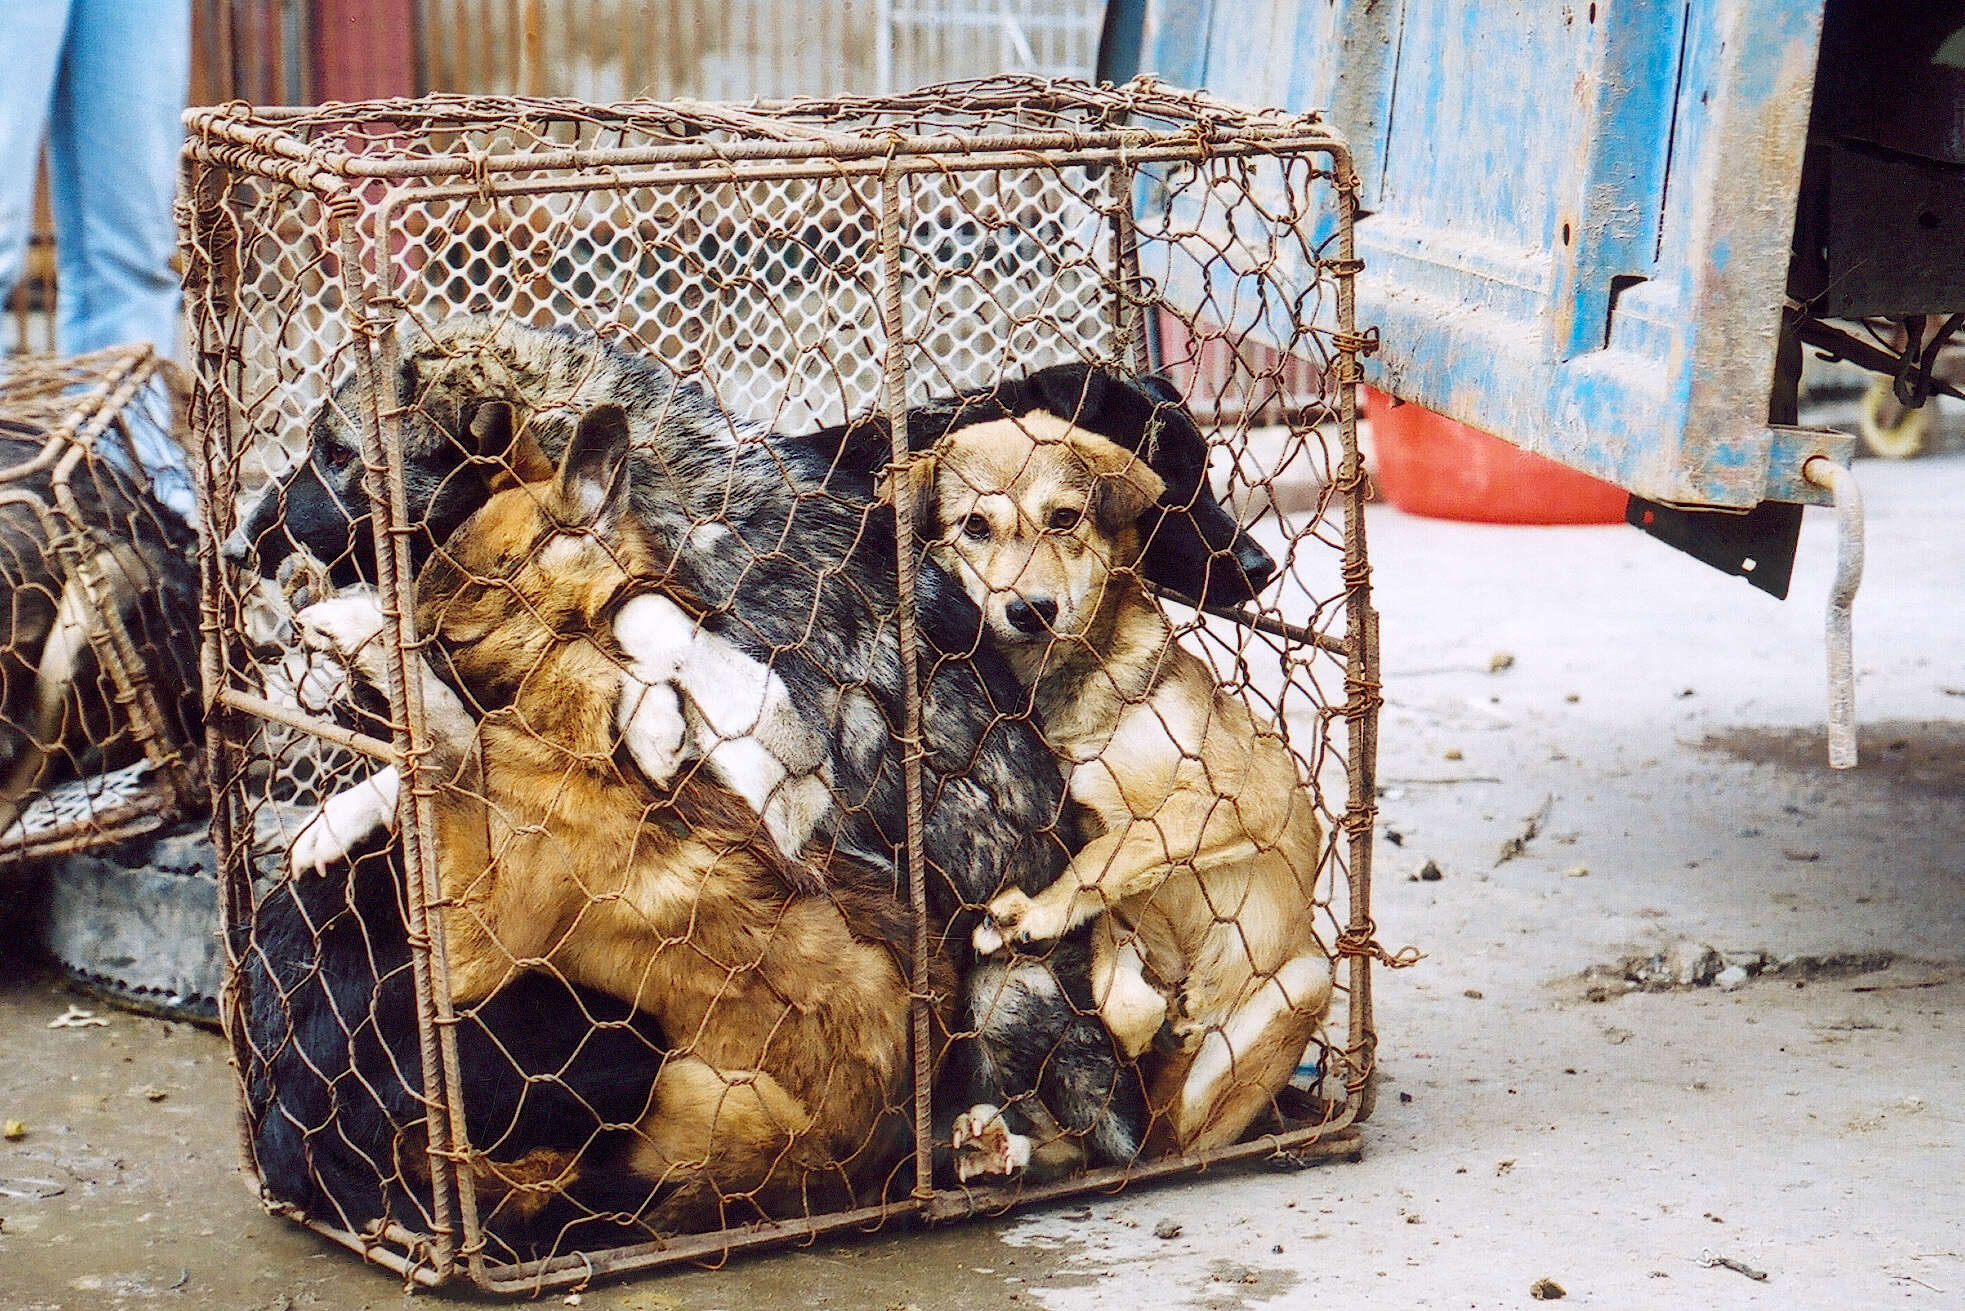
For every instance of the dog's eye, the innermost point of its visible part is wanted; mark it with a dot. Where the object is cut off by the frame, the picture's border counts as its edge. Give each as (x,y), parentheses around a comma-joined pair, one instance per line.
(1062,521)
(976,528)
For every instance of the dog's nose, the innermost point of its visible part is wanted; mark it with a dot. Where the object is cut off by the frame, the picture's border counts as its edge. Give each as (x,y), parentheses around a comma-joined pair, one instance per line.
(1030,616)
(1255,563)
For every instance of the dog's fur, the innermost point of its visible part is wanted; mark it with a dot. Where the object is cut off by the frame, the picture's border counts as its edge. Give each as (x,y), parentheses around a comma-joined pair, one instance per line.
(787,1010)
(800,579)
(1202,882)
(58,713)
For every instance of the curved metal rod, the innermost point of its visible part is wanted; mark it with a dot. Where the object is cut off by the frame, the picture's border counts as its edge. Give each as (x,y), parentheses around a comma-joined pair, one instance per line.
(1841,484)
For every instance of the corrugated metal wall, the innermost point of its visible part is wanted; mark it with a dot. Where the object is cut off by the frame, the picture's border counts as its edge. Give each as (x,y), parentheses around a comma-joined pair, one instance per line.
(306,51)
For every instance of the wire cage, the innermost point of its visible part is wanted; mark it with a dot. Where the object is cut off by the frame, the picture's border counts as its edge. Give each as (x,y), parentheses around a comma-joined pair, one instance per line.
(641,853)
(99,676)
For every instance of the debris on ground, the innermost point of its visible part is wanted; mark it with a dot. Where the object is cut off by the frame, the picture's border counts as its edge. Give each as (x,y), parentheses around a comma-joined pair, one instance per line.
(1728,1263)
(1430,872)
(1517,844)
(1499,661)
(1547,1290)
(1691,964)
(77,1018)
(13,1130)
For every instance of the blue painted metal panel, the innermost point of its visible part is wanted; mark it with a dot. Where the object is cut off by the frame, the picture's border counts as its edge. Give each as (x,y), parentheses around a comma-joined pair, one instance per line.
(1578,215)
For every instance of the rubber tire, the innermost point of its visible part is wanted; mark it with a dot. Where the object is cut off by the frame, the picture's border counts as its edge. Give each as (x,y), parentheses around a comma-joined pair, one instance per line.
(1908,434)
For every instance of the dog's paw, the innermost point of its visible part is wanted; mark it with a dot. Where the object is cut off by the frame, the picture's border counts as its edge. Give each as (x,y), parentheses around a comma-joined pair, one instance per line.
(1014,918)
(1001,919)
(1134,1011)
(984,1145)
(343,820)
(342,626)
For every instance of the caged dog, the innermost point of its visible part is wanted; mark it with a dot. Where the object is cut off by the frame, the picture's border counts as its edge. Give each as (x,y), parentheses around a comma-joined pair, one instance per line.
(783,990)
(58,710)
(799,579)
(1193,545)
(332,1066)
(1201,882)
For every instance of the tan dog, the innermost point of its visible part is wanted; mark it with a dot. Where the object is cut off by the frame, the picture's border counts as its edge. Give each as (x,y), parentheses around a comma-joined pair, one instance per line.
(1205,871)
(783,991)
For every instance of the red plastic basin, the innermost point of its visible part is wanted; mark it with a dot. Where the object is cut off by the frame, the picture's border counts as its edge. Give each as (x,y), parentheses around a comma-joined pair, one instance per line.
(1432,465)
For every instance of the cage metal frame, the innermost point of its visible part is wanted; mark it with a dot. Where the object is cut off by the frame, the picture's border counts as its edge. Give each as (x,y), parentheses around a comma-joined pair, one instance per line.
(73,401)
(366,198)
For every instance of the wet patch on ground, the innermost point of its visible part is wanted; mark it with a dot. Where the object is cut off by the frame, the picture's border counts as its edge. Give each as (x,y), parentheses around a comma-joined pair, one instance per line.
(1924,758)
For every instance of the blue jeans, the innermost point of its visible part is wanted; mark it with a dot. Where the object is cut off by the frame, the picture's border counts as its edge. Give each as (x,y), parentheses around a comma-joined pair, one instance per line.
(103,82)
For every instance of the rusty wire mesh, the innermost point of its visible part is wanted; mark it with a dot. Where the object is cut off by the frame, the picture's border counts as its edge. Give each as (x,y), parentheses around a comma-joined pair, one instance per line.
(615,862)
(99,672)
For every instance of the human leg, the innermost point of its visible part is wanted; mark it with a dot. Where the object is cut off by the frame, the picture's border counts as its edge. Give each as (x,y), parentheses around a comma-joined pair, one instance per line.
(30,49)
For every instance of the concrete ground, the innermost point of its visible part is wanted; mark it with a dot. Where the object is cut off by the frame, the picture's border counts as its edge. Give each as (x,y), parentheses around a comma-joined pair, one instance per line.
(1535,1124)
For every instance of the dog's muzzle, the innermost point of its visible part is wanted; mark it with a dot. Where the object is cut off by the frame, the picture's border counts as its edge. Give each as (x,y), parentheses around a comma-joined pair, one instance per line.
(1032,618)
(1255,563)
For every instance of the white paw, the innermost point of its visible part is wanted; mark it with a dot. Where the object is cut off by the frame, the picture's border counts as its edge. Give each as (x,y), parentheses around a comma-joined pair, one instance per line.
(1133,1010)
(343,821)
(988,939)
(1014,918)
(342,626)
(984,1144)
(653,728)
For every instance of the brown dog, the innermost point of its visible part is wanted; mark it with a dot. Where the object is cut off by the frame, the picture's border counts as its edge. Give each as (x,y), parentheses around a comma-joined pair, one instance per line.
(783,990)
(1203,879)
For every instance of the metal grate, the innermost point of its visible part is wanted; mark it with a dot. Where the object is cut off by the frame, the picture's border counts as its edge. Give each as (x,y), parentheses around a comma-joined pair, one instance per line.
(409,314)
(99,675)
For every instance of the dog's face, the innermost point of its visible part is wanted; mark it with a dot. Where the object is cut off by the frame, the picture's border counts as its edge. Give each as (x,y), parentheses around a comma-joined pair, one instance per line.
(1193,544)
(1034,516)
(541,560)
(321,503)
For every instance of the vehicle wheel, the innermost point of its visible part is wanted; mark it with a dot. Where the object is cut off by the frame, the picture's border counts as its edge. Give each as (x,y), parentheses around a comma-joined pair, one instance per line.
(1890,430)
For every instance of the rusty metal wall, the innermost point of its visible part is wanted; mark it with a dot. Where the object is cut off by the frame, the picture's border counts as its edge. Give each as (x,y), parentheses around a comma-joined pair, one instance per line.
(295,52)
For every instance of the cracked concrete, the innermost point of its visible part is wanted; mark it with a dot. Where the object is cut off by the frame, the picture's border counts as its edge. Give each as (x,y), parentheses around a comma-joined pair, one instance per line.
(1671,717)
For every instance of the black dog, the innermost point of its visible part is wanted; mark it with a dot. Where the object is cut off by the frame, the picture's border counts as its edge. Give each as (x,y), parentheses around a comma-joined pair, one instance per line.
(334,1073)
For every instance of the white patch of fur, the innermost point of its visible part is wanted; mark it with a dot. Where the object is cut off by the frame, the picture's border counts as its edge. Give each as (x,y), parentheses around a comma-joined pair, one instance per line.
(1133,1009)
(345,819)
(1302,984)
(738,715)
(346,627)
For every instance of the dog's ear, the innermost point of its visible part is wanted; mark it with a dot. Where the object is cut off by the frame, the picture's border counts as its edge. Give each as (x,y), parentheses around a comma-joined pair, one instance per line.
(1073,392)
(1160,389)
(1126,484)
(916,481)
(593,474)
(494,433)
